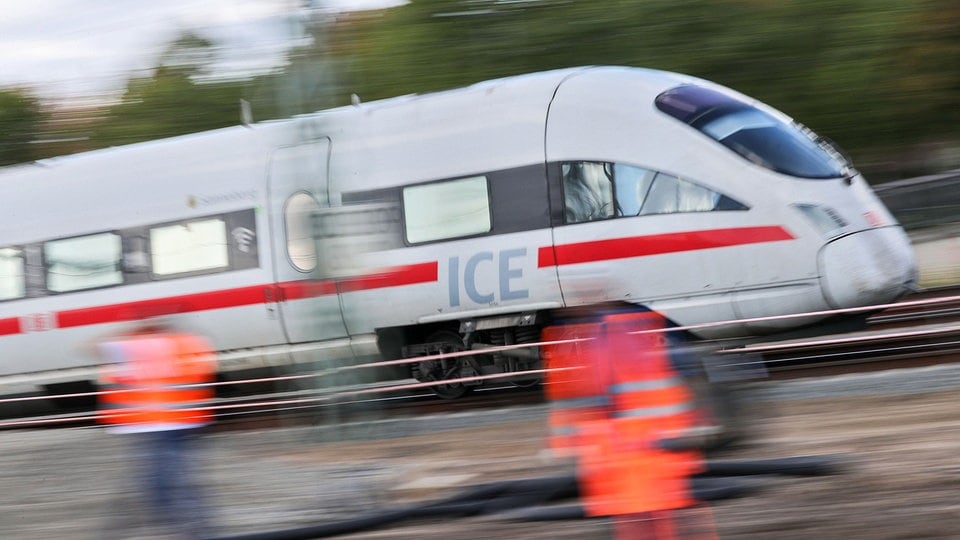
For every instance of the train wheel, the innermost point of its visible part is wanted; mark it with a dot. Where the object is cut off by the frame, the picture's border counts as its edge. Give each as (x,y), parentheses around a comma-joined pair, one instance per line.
(444,341)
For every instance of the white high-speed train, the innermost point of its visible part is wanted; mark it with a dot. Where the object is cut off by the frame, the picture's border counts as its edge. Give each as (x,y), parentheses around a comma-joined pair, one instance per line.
(512,200)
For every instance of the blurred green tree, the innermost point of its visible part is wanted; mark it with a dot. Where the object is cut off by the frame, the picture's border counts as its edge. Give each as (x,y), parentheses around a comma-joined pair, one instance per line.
(878,76)
(171,101)
(875,75)
(20,118)
(308,81)
(926,64)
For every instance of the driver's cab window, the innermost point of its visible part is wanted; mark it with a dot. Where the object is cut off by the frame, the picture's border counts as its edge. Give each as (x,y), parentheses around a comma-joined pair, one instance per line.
(587,191)
(597,190)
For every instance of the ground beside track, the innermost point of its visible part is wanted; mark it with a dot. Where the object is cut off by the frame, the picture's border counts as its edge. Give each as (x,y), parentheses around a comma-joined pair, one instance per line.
(903,481)
(937,251)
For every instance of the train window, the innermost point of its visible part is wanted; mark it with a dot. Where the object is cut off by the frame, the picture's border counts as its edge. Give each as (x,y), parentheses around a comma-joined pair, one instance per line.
(84,262)
(12,278)
(632,185)
(758,136)
(298,220)
(597,190)
(587,191)
(449,209)
(189,247)
(670,194)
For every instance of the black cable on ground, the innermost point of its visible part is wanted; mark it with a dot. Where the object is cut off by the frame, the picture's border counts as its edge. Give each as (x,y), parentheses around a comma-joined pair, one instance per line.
(790,466)
(482,499)
(548,513)
(707,489)
(362,523)
(527,496)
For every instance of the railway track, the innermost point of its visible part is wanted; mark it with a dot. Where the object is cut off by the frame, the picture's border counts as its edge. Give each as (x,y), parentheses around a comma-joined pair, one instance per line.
(368,409)
(922,330)
(299,407)
(945,309)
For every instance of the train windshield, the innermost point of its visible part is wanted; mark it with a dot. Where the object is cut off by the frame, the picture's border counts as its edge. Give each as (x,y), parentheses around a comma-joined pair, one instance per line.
(754,134)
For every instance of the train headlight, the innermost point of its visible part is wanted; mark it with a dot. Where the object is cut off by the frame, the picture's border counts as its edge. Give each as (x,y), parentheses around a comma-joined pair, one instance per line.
(824,219)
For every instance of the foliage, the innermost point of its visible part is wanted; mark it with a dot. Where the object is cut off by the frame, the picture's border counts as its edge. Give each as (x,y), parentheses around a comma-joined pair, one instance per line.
(20,118)
(169,102)
(306,84)
(868,73)
(881,77)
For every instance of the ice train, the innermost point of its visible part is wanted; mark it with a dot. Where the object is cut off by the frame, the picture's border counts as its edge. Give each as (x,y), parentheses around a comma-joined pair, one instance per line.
(510,201)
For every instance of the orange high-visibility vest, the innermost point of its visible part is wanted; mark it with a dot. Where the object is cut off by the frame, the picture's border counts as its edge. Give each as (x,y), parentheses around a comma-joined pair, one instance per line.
(623,472)
(156,383)
(575,389)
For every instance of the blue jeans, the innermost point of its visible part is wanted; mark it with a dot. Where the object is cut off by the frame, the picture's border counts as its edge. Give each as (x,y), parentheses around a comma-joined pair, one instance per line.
(169,479)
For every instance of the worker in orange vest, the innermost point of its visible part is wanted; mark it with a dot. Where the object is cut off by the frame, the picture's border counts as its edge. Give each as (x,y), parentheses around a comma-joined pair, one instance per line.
(622,470)
(156,388)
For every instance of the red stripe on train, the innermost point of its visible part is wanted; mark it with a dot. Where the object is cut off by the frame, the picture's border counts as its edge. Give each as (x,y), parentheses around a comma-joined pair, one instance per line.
(243,296)
(393,277)
(657,244)
(295,290)
(130,311)
(9,326)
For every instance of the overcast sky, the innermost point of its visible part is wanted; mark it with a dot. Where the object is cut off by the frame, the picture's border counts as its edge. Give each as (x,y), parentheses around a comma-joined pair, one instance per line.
(74,48)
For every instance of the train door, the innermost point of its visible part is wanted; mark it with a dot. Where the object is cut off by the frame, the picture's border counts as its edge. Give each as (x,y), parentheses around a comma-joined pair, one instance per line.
(297,186)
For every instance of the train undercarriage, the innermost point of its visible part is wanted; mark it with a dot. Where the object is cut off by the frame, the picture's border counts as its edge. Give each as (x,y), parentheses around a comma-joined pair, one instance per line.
(465,372)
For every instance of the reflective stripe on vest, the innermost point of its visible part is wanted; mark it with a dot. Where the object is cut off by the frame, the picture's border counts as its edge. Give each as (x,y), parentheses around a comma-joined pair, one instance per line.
(565,430)
(566,415)
(579,403)
(655,412)
(646,384)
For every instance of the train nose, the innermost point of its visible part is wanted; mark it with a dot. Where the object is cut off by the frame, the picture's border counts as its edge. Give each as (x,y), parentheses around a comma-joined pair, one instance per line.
(874,266)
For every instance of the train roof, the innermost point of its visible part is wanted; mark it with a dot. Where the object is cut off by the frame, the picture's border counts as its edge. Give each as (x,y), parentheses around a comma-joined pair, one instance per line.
(542,83)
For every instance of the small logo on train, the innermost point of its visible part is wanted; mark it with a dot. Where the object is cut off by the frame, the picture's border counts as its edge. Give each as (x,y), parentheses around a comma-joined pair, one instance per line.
(193,201)
(243,237)
(873,218)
